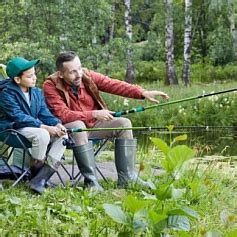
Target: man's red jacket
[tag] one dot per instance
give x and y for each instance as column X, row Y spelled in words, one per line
column 69, row 107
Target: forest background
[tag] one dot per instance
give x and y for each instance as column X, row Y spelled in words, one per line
column 149, row 42
column 184, row 48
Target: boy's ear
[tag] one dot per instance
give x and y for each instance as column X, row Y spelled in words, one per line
column 17, row 80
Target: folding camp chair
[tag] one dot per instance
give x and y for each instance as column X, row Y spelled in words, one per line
column 10, row 140
column 99, row 146
column 13, row 141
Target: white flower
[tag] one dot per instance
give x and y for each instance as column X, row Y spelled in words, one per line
column 125, row 102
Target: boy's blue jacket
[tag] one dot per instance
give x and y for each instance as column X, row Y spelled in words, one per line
column 15, row 111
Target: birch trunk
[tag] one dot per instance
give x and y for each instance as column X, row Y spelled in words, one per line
column 187, row 42
column 130, row 73
column 231, row 16
column 111, row 36
column 171, row 78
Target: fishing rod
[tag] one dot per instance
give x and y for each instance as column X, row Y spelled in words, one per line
column 72, row 130
column 140, row 108
column 207, row 128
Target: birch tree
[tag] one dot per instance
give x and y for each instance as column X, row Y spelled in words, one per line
column 171, row 77
column 187, row 42
column 130, row 73
column 231, row 16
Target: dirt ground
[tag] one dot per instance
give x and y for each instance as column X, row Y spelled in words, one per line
column 107, row 169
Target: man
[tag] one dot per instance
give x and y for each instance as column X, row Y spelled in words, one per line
column 72, row 94
column 23, row 108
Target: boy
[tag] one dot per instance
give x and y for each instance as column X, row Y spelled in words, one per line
column 23, row 108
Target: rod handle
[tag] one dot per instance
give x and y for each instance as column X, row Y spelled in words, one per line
column 121, row 113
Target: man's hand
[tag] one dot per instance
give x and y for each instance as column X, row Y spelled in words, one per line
column 102, row 115
column 150, row 95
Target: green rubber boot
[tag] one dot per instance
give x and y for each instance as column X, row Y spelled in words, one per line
column 38, row 183
column 125, row 153
column 85, row 159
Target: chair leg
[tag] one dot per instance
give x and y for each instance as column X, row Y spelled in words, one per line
column 21, row 177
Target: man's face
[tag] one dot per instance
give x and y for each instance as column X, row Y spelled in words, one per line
column 72, row 72
column 27, row 79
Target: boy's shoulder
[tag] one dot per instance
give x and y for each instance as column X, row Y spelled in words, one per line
column 4, row 83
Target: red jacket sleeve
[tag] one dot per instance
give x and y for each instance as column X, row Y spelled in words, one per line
column 116, row 87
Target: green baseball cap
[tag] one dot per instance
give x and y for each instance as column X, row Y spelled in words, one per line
column 18, row 65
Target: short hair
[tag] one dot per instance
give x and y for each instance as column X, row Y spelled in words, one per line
column 64, row 57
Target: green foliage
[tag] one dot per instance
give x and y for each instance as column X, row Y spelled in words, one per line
column 221, row 49
column 86, row 28
column 199, row 203
column 150, row 71
column 207, row 73
column 138, row 217
column 30, row 51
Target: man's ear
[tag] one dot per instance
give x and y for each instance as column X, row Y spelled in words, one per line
column 60, row 74
column 17, row 80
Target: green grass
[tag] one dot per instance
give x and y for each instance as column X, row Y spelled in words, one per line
column 210, row 191
column 219, row 110
column 207, row 187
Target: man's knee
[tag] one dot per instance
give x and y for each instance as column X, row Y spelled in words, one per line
column 42, row 137
column 79, row 138
column 124, row 122
column 75, row 124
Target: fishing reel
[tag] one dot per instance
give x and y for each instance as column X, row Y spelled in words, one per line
column 68, row 142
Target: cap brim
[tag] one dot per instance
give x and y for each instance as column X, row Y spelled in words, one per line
column 30, row 64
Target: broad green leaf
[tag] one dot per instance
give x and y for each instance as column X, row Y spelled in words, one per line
column 232, row 233
column 140, row 221
column 177, row 156
column 185, row 211
column 148, row 196
column 155, row 217
column 178, row 222
column 15, row 200
column 124, row 234
column 167, row 191
column 164, row 191
column 184, row 234
column 116, row 213
column 159, row 227
column 178, row 192
column 76, row 208
column 160, row 144
column 134, row 204
column 213, row 233
column 181, row 138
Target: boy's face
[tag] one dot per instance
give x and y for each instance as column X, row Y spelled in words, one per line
column 26, row 80
column 72, row 72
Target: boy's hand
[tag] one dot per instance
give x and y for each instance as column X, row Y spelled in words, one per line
column 55, row 130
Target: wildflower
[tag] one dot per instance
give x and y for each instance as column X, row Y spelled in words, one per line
column 125, row 102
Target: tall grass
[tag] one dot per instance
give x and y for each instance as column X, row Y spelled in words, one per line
column 218, row 110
